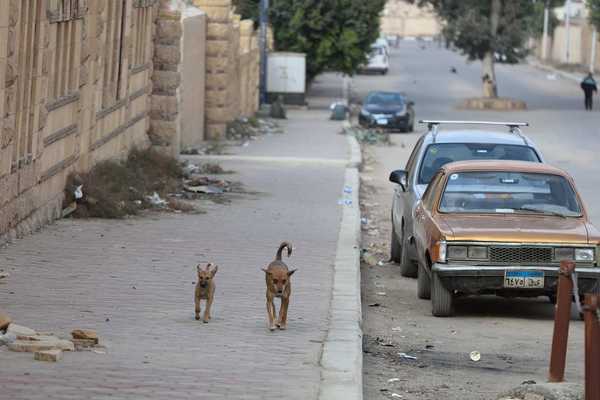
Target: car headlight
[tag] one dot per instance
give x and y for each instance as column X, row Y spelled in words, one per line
column 584, row 255
column 564, row 253
column 467, row 252
column 440, row 254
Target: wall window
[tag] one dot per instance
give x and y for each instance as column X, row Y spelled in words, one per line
column 142, row 14
column 28, row 62
column 114, row 51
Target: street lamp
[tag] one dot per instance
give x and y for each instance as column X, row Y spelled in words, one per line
column 568, row 31
column 264, row 23
column 545, row 34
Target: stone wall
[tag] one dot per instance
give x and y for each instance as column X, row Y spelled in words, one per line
column 74, row 90
column 580, row 39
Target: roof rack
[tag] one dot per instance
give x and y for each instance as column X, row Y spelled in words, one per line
column 513, row 127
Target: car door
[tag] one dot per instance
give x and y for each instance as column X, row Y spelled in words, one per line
column 423, row 221
column 404, row 200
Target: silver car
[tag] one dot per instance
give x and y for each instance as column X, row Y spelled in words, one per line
column 435, row 149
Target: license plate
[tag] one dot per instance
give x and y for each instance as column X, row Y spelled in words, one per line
column 524, row 279
column 382, row 121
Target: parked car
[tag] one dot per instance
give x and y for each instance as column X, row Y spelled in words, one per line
column 435, row 149
column 501, row 227
column 387, row 110
column 378, row 60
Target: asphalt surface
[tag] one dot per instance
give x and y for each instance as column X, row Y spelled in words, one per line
column 512, row 335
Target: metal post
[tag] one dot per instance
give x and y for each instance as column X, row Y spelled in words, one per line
column 264, row 23
column 593, row 55
column 592, row 347
column 562, row 318
column 545, row 34
column 568, row 31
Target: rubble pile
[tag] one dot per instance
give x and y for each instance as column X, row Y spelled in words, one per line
column 250, row 128
column 45, row 346
column 368, row 135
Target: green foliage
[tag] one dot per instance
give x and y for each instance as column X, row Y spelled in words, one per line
column 537, row 20
column 468, row 25
column 336, row 35
column 594, row 15
column 248, row 9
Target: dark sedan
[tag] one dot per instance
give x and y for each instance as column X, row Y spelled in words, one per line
column 387, row 110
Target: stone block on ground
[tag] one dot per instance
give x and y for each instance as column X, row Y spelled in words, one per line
column 4, row 321
column 85, row 334
column 21, row 331
column 48, row 355
column 46, row 343
column 82, row 344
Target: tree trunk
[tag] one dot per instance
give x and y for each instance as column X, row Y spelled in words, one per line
column 489, row 76
column 490, row 89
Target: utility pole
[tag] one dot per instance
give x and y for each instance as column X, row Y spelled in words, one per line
column 593, row 55
column 568, row 31
column 545, row 34
column 264, row 24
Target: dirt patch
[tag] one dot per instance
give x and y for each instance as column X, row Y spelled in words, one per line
column 368, row 135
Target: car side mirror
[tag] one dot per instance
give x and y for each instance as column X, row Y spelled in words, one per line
column 399, row 176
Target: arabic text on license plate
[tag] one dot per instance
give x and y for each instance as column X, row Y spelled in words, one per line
column 524, row 279
column 382, row 121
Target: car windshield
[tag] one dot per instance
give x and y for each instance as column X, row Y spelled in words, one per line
column 381, row 98
column 438, row 155
column 509, row 192
column 377, row 51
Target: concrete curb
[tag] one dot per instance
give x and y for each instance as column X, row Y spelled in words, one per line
column 341, row 361
column 564, row 74
column 355, row 153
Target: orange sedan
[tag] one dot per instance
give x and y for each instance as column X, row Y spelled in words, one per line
column 501, row 227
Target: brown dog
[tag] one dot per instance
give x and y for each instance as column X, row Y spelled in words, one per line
column 205, row 290
column 278, row 285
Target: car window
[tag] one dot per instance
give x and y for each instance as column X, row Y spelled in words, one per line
column 384, row 98
column 412, row 160
column 440, row 154
column 509, row 192
column 430, row 194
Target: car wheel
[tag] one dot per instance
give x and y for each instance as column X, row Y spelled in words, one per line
column 411, row 127
column 395, row 248
column 407, row 267
column 423, row 284
column 442, row 301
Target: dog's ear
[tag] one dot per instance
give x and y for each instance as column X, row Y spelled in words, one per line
column 214, row 271
column 266, row 271
column 208, row 267
column 290, row 273
column 198, row 268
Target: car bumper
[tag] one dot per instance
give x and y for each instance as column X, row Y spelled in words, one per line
column 476, row 279
column 392, row 122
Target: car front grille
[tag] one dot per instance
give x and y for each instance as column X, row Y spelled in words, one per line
column 520, row 255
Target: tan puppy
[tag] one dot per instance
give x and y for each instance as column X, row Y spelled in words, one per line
column 278, row 285
column 205, row 290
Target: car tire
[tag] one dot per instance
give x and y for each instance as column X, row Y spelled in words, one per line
column 395, row 248
column 442, row 300
column 423, row 284
column 407, row 267
column 411, row 127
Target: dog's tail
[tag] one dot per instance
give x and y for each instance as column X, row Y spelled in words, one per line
column 283, row 246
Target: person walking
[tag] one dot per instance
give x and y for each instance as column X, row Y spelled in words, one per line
column 589, row 87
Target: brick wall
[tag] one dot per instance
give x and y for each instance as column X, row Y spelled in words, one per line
column 74, row 90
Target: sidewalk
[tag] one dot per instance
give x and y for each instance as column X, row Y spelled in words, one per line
column 133, row 282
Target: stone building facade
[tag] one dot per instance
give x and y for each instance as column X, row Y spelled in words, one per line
column 400, row 18
column 83, row 81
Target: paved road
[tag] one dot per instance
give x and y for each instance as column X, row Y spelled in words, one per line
column 133, row 280
column 513, row 335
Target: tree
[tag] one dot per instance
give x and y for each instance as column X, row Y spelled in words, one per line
column 594, row 14
column 336, row 35
column 483, row 28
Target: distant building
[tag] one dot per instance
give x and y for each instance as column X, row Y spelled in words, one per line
column 403, row 19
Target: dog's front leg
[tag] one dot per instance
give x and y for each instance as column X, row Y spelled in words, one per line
column 197, row 308
column 207, row 309
column 285, row 301
column 271, row 313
